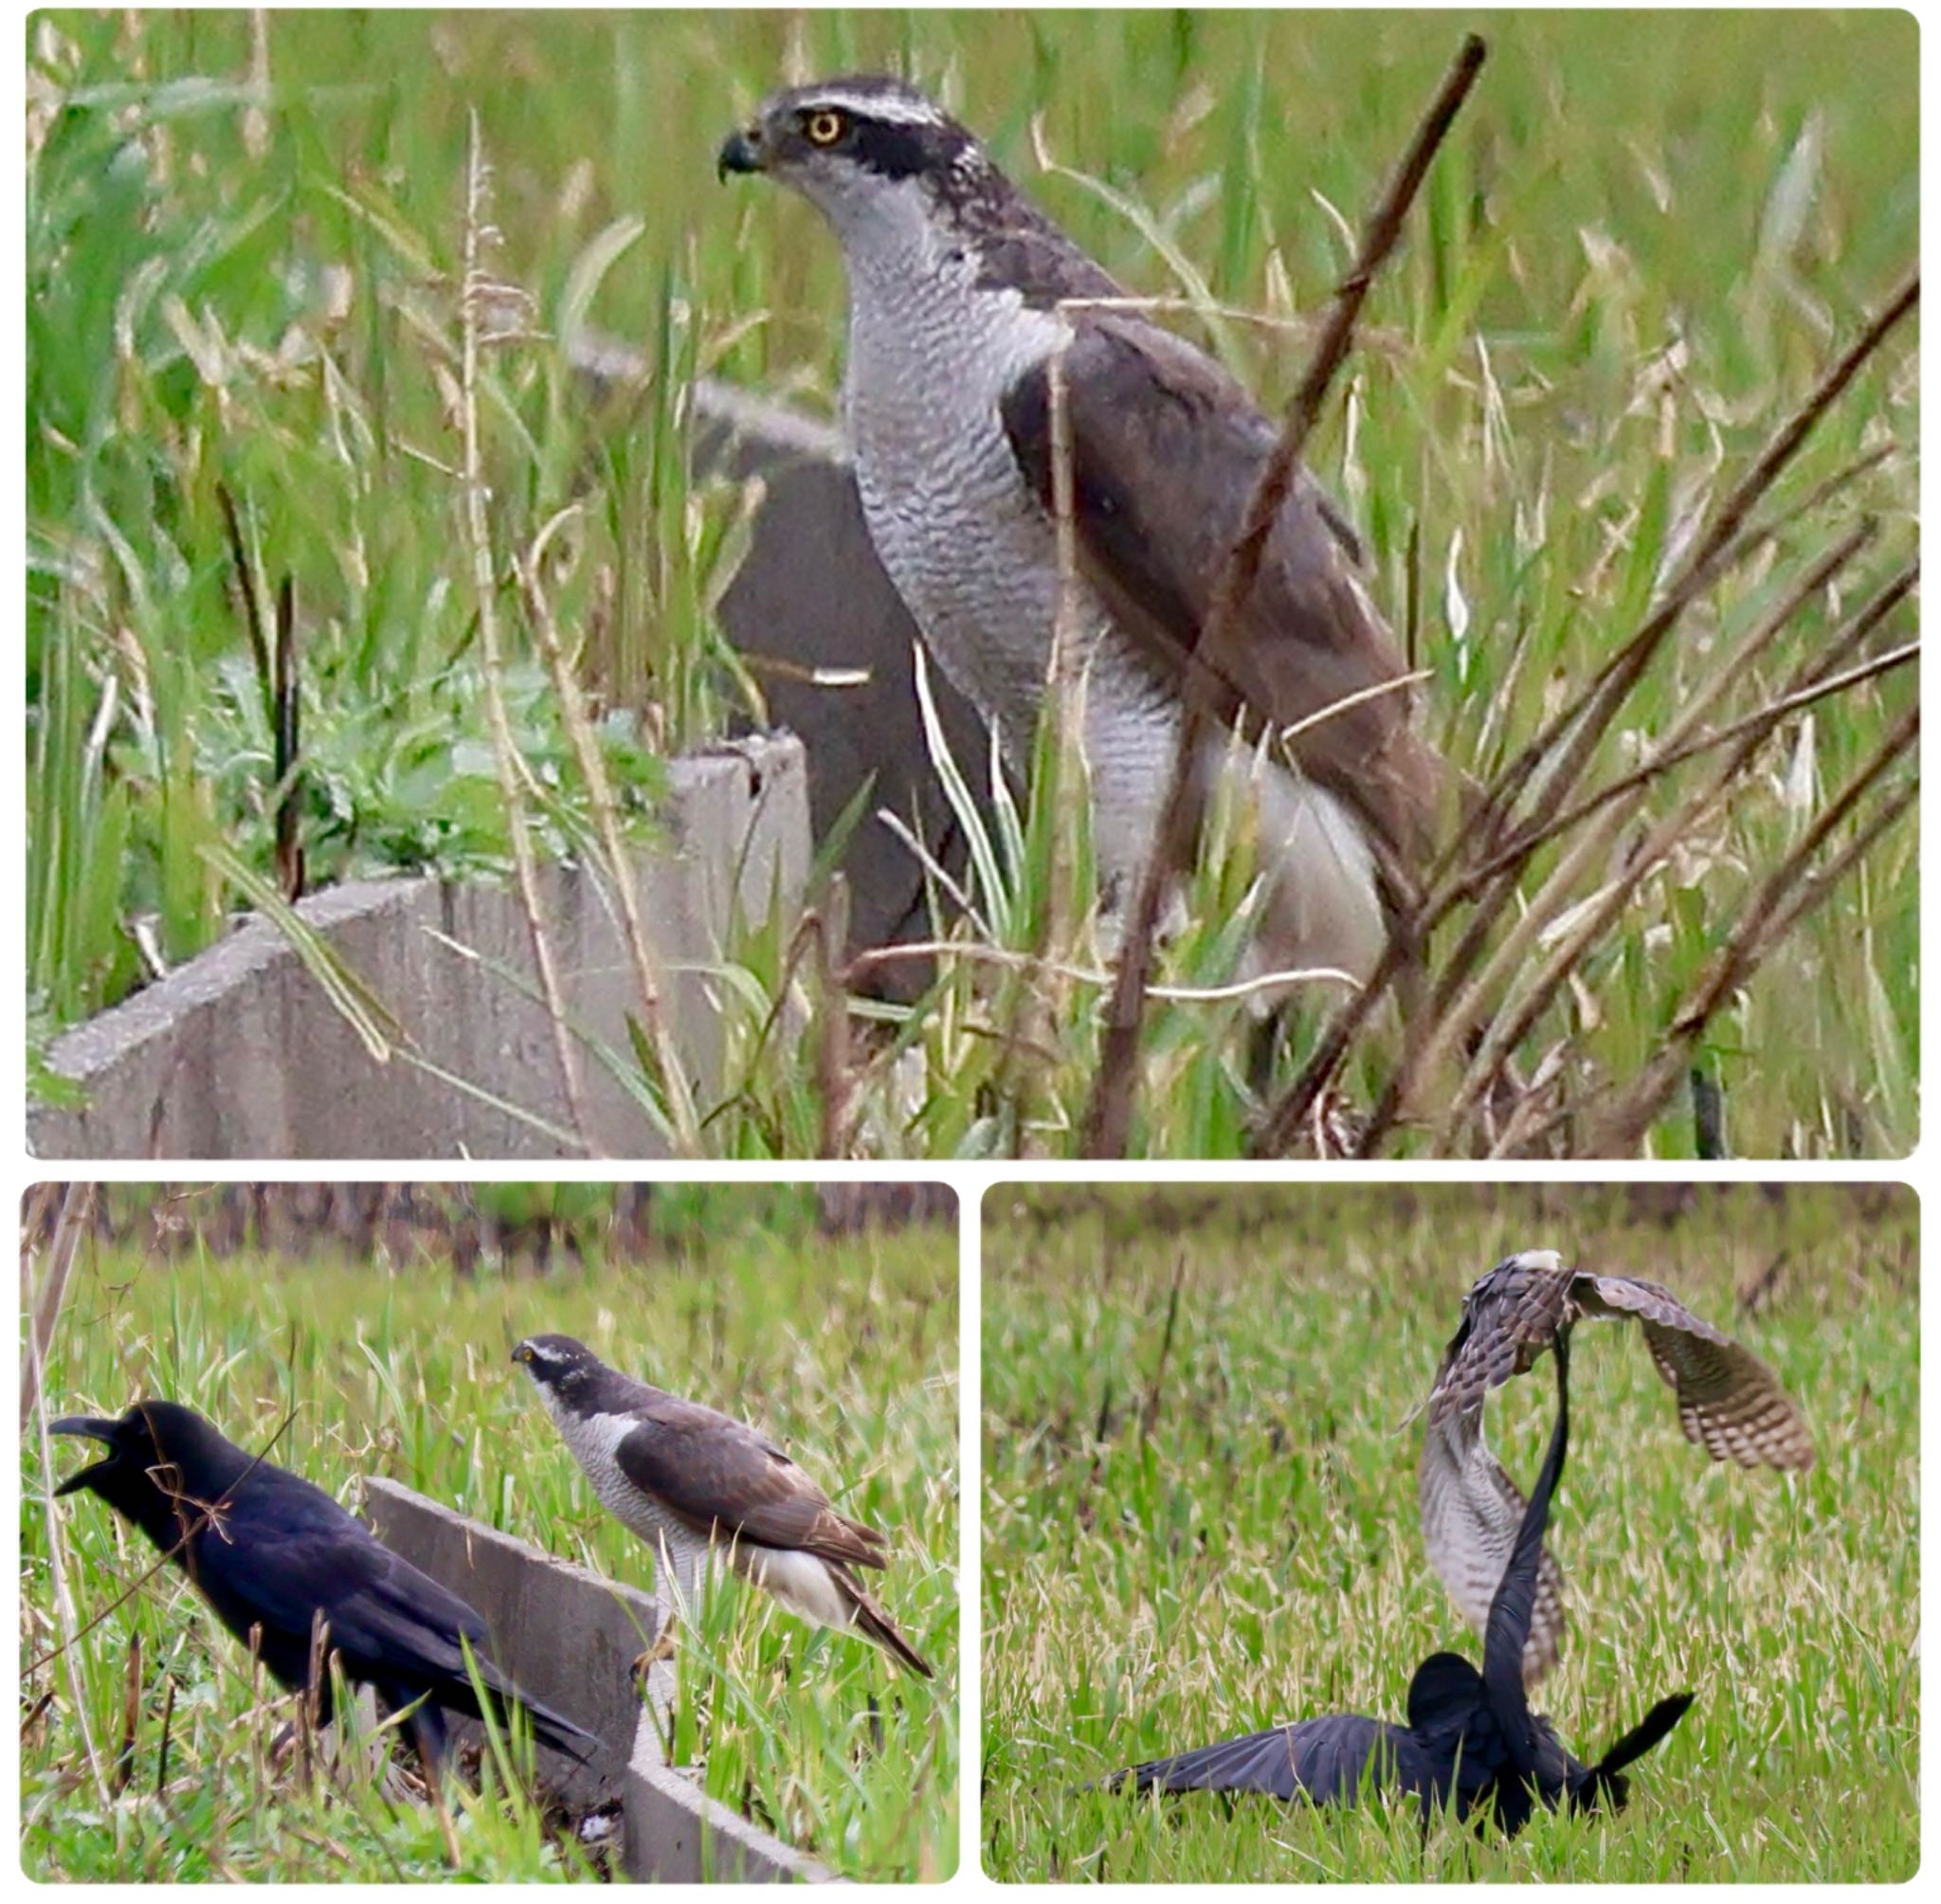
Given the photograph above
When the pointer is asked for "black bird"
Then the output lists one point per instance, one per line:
(270, 1552)
(1471, 1737)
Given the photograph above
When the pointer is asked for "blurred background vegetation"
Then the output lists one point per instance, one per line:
(337, 1310)
(245, 238)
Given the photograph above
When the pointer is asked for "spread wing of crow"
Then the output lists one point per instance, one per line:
(1729, 1402)
(1471, 1739)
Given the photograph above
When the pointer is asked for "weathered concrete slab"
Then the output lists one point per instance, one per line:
(812, 596)
(571, 1638)
(811, 607)
(242, 1054)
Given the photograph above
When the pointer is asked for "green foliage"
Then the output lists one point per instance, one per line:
(1253, 1557)
(845, 1351)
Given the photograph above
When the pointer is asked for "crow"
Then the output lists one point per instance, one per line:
(1470, 1740)
(271, 1554)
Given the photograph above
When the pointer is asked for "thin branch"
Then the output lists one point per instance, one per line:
(1108, 1120)
(1589, 712)
(1511, 1025)
(1756, 725)
(1784, 898)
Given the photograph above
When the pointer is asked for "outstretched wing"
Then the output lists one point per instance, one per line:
(1730, 1402)
(1323, 1761)
(715, 1472)
(1152, 418)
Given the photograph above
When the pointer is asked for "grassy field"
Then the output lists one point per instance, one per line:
(1184, 1545)
(845, 1351)
(246, 237)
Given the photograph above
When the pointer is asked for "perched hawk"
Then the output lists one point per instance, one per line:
(961, 295)
(698, 1485)
(1729, 1402)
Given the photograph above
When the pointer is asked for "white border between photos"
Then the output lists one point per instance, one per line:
(970, 1181)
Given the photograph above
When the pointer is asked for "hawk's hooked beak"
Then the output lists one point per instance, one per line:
(95, 1429)
(741, 151)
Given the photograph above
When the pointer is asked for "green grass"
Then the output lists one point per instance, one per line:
(1646, 239)
(845, 1351)
(1255, 1557)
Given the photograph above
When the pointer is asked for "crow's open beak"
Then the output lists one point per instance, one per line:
(95, 1429)
(741, 151)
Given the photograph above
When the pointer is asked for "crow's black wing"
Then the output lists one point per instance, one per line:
(1322, 1760)
(280, 1554)
(284, 1552)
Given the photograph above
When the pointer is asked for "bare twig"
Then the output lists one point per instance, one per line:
(131, 1714)
(1787, 894)
(1512, 1025)
(1589, 712)
(1109, 1116)
(1580, 727)
(1492, 884)
(1675, 749)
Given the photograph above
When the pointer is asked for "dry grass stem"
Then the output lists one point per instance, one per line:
(613, 854)
(475, 294)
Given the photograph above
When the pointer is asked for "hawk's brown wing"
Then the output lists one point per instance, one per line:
(1508, 1322)
(1152, 418)
(1730, 1402)
(715, 1472)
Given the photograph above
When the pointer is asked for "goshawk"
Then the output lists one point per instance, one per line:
(1729, 1402)
(696, 1486)
(961, 293)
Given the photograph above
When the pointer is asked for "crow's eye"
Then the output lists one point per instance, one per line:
(825, 127)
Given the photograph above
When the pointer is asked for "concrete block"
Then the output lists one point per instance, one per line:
(571, 1638)
(240, 1054)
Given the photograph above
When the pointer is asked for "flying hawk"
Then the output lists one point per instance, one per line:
(1729, 1402)
(698, 1485)
(961, 293)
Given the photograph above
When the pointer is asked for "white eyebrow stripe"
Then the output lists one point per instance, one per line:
(892, 108)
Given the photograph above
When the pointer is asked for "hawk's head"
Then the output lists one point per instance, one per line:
(877, 157)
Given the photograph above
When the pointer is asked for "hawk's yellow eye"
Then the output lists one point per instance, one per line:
(823, 128)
